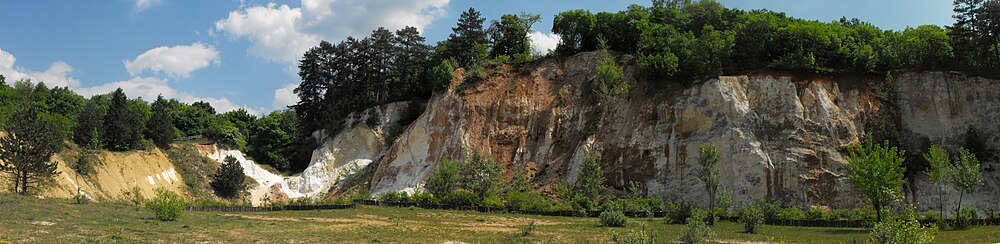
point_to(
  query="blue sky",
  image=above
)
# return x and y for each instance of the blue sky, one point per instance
(242, 54)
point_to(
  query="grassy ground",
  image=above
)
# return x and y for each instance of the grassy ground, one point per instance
(56, 220)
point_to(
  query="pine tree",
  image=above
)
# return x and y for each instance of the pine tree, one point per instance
(160, 127)
(88, 125)
(228, 181)
(117, 131)
(26, 149)
(467, 40)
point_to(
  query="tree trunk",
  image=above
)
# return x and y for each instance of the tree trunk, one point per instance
(878, 211)
(958, 213)
(711, 208)
(941, 200)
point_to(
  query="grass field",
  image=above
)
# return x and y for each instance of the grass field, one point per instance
(56, 220)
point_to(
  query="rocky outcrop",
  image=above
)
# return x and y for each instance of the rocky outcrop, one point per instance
(782, 136)
(116, 174)
(341, 154)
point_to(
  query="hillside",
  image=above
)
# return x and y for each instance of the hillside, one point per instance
(783, 136)
(116, 173)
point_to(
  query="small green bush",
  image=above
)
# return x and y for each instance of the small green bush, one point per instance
(460, 197)
(640, 236)
(492, 202)
(903, 228)
(695, 231)
(394, 197)
(423, 197)
(584, 203)
(751, 218)
(968, 213)
(816, 213)
(791, 213)
(528, 201)
(613, 219)
(166, 206)
(679, 212)
(526, 230)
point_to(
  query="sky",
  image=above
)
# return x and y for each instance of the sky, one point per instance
(244, 54)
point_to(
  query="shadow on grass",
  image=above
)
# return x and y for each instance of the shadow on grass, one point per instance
(845, 231)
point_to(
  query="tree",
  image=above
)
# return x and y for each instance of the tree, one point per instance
(160, 127)
(480, 174)
(444, 179)
(119, 132)
(877, 171)
(708, 157)
(510, 36)
(590, 183)
(467, 42)
(940, 171)
(966, 177)
(88, 125)
(26, 150)
(229, 180)
(610, 80)
(575, 29)
(441, 75)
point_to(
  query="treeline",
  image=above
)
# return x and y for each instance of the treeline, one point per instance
(355, 74)
(115, 122)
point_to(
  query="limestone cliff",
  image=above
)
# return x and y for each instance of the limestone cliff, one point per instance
(782, 136)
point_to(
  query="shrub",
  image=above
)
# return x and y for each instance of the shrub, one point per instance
(751, 217)
(679, 212)
(167, 206)
(423, 197)
(770, 210)
(967, 213)
(394, 197)
(460, 197)
(528, 201)
(903, 228)
(583, 203)
(640, 236)
(492, 202)
(816, 213)
(613, 219)
(442, 74)
(791, 213)
(443, 179)
(229, 181)
(695, 231)
(134, 196)
(610, 78)
(526, 230)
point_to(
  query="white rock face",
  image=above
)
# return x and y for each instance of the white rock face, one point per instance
(339, 155)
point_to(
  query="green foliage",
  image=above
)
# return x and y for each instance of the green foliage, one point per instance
(88, 125)
(940, 171)
(480, 173)
(752, 217)
(510, 35)
(590, 182)
(120, 132)
(394, 197)
(575, 28)
(528, 229)
(460, 197)
(966, 177)
(876, 171)
(160, 128)
(610, 82)
(902, 228)
(277, 139)
(25, 150)
(695, 231)
(679, 212)
(166, 206)
(229, 180)
(442, 74)
(528, 201)
(633, 236)
(708, 157)
(613, 218)
(467, 45)
(444, 178)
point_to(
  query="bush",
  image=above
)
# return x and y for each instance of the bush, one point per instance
(962, 218)
(528, 229)
(695, 231)
(528, 201)
(751, 217)
(770, 210)
(167, 206)
(679, 212)
(816, 213)
(229, 181)
(492, 202)
(613, 219)
(394, 197)
(460, 197)
(443, 179)
(791, 213)
(643, 206)
(583, 203)
(134, 196)
(640, 236)
(903, 228)
(423, 197)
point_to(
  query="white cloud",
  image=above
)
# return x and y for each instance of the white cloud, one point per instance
(141, 5)
(543, 43)
(148, 88)
(285, 96)
(282, 33)
(56, 75)
(177, 61)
